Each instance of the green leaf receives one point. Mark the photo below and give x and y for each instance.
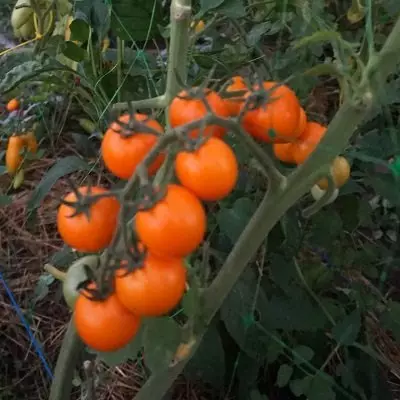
(136, 20)
(300, 386)
(19, 73)
(232, 9)
(206, 5)
(295, 313)
(320, 389)
(285, 372)
(232, 221)
(346, 331)
(208, 363)
(259, 30)
(302, 354)
(63, 167)
(385, 185)
(73, 51)
(256, 395)
(80, 29)
(274, 350)
(283, 273)
(96, 13)
(161, 338)
(129, 352)
(319, 234)
(237, 315)
(5, 200)
(63, 258)
(318, 37)
(247, 374)
(390, 319)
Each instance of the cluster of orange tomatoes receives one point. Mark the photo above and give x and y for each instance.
(18, 143)
(175, 225)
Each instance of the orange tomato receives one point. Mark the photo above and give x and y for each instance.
(153, 289)
(31, 142)
(185, 110)
(210, 172)
(340, 170)
(104, 325)
(284, 152)
(13, 105)
(282, 114)
(234, 104)
(13, 154)
(88, 233)
(175, 226)
(309, 140)
(122, 155)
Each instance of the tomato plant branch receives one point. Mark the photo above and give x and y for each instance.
(323, 201)
(71, 349)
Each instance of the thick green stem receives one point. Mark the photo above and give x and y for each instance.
(70, 352)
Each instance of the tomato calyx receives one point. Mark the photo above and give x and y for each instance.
(84, 202)
(261, 97)
(134, 126)
(149, 196)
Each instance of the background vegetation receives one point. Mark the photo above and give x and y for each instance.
(317, 313)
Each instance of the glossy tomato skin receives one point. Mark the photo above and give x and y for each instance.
(302, 123)
(185, 110)
(308, 141)
(95, 233)
(210, 172)
(13, 105)
(175, 226)
(282, 114)
(104, 325)
(122, 155)
(284, 152)
(155, 288)
(234, 104)
(13, 154)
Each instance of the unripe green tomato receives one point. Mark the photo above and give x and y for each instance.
(75, 275)
(22, 20)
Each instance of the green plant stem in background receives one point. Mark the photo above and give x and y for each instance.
(71, 349)
(120, 61)
(272, 208)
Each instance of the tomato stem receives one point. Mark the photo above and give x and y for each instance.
(55, 272)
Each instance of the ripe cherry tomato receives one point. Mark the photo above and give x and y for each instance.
(340, 171)
(235, 103)
(284, 152)
(93, 234)
(210, 172)
(104, 325)
(31, 142)
(122, 155)
(175, 226)
(308, 141)
(13, 154)
(281, 113)
(13, 105)
(185, 110)
(155, 288)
